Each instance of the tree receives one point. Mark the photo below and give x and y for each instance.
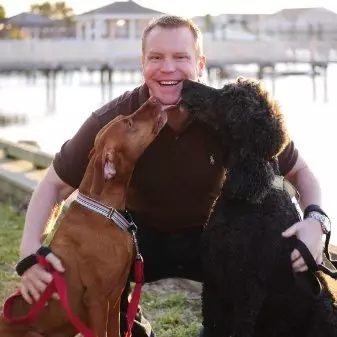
(2, 12)
(44, 8)
(208, 23)
(62, 11)
(57, 10)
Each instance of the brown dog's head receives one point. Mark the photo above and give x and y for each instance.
(121, 142)
(251, 128)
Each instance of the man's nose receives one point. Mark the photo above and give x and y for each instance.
(168, 65)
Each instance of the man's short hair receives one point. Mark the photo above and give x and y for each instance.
(172, 21)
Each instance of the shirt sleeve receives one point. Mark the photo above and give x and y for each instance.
(287, 158)
(71, 161)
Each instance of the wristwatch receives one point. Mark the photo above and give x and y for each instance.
(322, 219)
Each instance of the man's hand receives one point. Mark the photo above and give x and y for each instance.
(309, 231)
(35, 280)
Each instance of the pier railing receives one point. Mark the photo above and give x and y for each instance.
(119, 54)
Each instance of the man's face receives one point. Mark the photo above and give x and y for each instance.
(169, 58)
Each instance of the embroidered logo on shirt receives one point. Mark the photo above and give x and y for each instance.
(211, 159)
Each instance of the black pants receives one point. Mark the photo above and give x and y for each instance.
(165, 256)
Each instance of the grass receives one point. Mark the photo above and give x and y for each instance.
(175, 313)
(173, 310)
(10, 235)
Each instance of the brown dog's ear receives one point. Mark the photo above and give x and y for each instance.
(105, 168)
(98, 174)
(110, 164)
(91, 153)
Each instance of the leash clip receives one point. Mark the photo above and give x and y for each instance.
(132, 228)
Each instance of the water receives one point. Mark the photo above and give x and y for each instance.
(312, 124)
(75, 102)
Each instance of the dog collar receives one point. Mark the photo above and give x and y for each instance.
(112, 214)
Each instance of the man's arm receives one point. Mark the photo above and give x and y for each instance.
(50, 191)
(309, 230)
(306, 183)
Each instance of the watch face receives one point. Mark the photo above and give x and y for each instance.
(324, 220)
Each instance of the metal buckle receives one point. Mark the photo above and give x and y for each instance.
(132, 227)
(110, 213)
(139, 257)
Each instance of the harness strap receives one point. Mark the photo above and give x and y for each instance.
(56, 285)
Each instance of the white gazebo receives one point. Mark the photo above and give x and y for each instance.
(119, 20)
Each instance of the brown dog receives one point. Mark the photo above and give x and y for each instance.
(96, 253)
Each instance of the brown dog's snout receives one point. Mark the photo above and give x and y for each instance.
(151, 109)
(153, 100)
(152, 105)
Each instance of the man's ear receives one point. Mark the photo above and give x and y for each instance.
(142, 61)
(201, 65)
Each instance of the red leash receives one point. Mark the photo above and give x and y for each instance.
(58, 285)
(133, 305)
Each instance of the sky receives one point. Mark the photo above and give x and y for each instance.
(184, 7)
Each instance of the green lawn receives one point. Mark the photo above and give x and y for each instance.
(173, 311)
(10, 233)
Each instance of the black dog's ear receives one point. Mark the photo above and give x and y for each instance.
(249, 179)
(254, 118)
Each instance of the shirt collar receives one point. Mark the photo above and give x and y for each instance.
(144, 94)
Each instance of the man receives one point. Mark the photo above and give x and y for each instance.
(176, 180)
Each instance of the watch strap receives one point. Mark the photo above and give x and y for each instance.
(313, 208)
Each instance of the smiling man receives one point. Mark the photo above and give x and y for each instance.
(176, 180)
(166, 65)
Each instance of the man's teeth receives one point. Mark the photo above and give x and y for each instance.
(168, 82)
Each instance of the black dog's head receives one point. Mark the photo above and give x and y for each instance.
(249, 123)
(243, 110)
(200, 100)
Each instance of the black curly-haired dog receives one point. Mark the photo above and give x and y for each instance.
(250, 289)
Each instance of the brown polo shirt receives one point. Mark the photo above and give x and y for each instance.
(176, 180)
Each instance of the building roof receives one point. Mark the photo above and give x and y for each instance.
(27, 19)
(292, 14)
(123, 7)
